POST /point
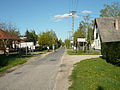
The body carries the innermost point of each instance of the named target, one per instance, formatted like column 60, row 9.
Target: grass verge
column 8, row 61
column 92, row 52
column 95, row 74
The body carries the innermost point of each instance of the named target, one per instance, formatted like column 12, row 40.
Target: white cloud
column 65, row 15
column 62, row 16
column 56, row 20
column 86, row 12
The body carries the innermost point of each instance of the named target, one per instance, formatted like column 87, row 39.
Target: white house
column 29, row 45
column 106, row 29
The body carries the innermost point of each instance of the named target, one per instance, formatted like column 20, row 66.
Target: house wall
column 30, row 45
column 97, row 42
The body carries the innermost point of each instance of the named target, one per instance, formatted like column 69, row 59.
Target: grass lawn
column 95, row 74
column 13, row 60
column 92, row 52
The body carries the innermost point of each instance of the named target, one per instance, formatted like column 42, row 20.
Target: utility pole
column 73, row 15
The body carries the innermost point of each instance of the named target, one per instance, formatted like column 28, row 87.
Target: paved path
column 38, row 74
column 62, row 82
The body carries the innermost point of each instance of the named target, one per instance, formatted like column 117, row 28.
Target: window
column 116, row 24
column 96, row 35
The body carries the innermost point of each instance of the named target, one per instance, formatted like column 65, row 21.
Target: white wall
column 97, row 42
column 30, row 45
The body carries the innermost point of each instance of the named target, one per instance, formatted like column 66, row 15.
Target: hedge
column 111, row 52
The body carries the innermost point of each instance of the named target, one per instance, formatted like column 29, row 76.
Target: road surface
column 39, row 74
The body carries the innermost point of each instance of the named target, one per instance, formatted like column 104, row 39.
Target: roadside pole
column 53, row 47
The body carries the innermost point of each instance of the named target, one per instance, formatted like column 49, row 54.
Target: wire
column 77, row 5
column 72, row 4
column 68, row 5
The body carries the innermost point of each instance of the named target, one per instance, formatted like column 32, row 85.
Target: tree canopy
column 80, row 33
column 47, row 38
column 84, row 31
column 60, row 43
column 110, row 10
column 31, row 36
column 67, row 43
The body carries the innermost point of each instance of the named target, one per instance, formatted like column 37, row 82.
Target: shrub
column 111, row 52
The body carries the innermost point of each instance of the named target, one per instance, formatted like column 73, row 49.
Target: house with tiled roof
column 7, row 39
column 6, row 35
column 106, row 29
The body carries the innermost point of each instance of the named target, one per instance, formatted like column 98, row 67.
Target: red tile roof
column 7, row 35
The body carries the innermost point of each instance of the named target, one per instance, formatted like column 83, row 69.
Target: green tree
column 67, row 43
column 60, row 43
column 110, row 10
column 47, row 38
column 84, row 31
column 80, row 33
column 31, row 36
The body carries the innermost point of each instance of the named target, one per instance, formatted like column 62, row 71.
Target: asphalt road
column 39, row 74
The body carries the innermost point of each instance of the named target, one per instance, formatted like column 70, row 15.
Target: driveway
column 62, row 81
column 38, row 74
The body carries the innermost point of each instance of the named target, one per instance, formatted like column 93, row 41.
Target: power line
column 69, row 5
column 73, row 5
column 77, row 4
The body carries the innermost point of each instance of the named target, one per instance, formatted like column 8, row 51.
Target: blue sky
column 43, row 15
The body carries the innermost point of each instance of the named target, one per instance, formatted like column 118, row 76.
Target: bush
column 5, row 59
column 111, row 52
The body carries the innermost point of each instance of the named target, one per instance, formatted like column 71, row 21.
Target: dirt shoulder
column 62, row 80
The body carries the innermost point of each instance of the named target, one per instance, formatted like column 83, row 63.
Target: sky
column 44, row 15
